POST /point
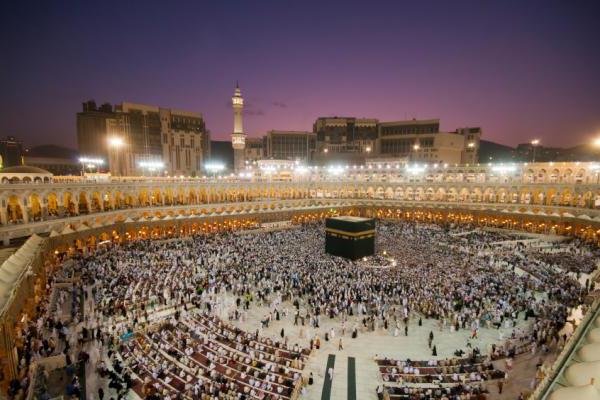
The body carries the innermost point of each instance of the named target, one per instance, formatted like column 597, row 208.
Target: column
column 25, row 211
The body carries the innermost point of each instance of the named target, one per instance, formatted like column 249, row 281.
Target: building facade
column 290, row 145
column 139, row 139
column 185, row 142
column 355, row 140
column 11, row 152
column 94, row 124
column 344, row 138
column 254, row 150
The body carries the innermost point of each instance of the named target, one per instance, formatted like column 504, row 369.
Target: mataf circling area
column 440, row 311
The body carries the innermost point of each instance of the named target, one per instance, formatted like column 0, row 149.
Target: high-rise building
column 93, row 125
column 254, row 149
column 422, row 141
column 238, row 138
column 472, row 144
column 11, row 152
column 186, row 144
column 138, row 139
column 290, row 145
column 344, row 138
column 355, row 140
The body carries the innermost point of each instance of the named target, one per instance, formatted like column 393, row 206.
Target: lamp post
column 534, row 144
column 152, row 166
column 115, row 143
column 214, row 168
column 416, row 148
column 89, row 163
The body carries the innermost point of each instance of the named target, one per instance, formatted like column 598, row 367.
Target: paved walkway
column 365, row 348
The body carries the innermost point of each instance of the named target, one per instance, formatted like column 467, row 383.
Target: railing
column 264, row 206
column 544, row 389
column 36, row 373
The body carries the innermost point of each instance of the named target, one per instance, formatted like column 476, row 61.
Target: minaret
column 238, row 139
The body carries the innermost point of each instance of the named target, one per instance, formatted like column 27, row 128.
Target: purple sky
column 518, row 69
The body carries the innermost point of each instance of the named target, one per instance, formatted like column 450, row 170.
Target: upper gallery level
column 288, row 171
column 31, row 200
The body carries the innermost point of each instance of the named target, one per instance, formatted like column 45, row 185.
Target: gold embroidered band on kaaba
column 353, row 235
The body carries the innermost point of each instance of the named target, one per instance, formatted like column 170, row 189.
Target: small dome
column 24, row 169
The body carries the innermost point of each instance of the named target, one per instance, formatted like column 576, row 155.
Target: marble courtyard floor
column 381, row 343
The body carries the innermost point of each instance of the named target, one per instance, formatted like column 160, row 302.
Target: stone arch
column 156, row 197
column 580, row 175
column 554, row 176
column 567, row 176
column 541, row 176
column 35, row 207
column 489, row 195
column 14, row 210
column 440, row 194
column 567, row 196
column 529, row 176
column 52, row 204
column 84, row 203
column 452, row 194
column 144, row 198
column 476, row 196
column 192, row 197
column 419, row 194
column 389, row 193
column 429, row 194
column 69, row 204
column 96, row 202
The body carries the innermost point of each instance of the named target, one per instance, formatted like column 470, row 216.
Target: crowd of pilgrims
column 573, row 255
column 464, row 281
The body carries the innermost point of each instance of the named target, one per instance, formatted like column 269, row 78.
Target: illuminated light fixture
column 152, row 165
column 335, row 170
column 414, row 169
column 471, row 145
column 300, row 169
column 94, row 161
column 268, row 170
column 504, row 168
column 116, row 141
column 214, row 167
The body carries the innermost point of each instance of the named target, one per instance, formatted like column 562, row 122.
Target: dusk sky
column 518, row 69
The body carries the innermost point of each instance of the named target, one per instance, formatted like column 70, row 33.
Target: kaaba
column 350, row 237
